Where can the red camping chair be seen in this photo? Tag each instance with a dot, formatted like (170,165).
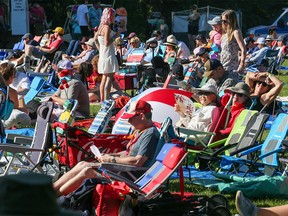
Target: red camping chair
(75,144)
(146,188)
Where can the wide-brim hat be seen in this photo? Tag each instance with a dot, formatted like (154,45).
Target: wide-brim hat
(241,88)
(121,11)
(29,194)
(91,42)
(171,40)
(208,88)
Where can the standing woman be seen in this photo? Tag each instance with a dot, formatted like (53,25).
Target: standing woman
(107,64)
(232,41)
(193,26)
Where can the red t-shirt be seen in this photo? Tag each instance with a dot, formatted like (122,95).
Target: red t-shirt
(93,80)
(56,43)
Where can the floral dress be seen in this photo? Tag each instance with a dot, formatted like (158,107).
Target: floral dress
(229,53)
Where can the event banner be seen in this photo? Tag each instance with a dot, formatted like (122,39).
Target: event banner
(19,17)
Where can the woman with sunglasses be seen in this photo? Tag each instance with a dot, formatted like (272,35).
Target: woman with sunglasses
(264,89)
(240,94)
(232,41)
(202,118)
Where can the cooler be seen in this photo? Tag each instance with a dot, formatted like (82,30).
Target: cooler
(126,81)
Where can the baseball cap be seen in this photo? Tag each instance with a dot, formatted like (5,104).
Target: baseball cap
(59,30)
(136,108)
(28,35)
(200,37)
(216,20)
(211,65)
(131,35)
(260,40)
(65,64)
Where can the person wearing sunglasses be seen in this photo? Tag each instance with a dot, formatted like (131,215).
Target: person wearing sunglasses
(240,94)
(202,118)
(231,42)
(264,89)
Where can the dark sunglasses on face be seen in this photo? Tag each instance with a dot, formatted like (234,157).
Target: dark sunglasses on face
(224,21)
(204,93)
(239,94)
(264,84)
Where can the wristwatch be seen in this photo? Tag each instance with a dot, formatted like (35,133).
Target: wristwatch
(113,160)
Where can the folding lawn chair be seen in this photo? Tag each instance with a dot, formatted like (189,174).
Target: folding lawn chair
(40,143)
(210,155)
(147,186)
(35,87)
(267,161)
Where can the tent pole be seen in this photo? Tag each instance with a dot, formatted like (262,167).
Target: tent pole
(113,3)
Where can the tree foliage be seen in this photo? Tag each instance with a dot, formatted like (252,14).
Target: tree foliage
(254,12)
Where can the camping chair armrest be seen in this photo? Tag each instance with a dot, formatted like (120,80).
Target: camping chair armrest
(121,167)
(241,150)
(217,143)
(223,148)
(14,148)
(19,139)
(194,133)
(116,177)
(251,150)
(39,74)
(271,152)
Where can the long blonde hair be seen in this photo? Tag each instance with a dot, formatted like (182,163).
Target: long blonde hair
(231,17)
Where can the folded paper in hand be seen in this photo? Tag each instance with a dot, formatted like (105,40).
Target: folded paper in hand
(95,151)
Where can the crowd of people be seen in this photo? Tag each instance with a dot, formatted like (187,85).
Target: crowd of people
(218,63)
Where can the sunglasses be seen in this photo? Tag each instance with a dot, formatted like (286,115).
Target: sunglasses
(225,21)
(264,84)
(239,94)
(204,93)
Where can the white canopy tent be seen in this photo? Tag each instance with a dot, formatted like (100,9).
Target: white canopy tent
(180,23)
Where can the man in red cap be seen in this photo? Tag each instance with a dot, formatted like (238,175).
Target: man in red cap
(140,150)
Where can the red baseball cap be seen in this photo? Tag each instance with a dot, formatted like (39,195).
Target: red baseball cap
(135,108)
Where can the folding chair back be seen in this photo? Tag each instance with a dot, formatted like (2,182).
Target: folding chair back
(35,87)
(42,138)
(174,155)
(102,118)
(253,129)
(239,128)
(278,132)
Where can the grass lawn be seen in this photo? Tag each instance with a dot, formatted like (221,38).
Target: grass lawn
(199,190)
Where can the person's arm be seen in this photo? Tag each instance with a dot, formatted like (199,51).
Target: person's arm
(259,55)
(138,160)
(239,38)
(58,100)
(250,78)
(87,20)
(13,96)
(271,95)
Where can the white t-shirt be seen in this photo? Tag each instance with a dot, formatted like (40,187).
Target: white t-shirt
(81,11)
(21,80)
(185,52)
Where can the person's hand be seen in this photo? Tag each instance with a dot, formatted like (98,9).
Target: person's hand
(240,68)
(261,76)
(105,158)
(176,108)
